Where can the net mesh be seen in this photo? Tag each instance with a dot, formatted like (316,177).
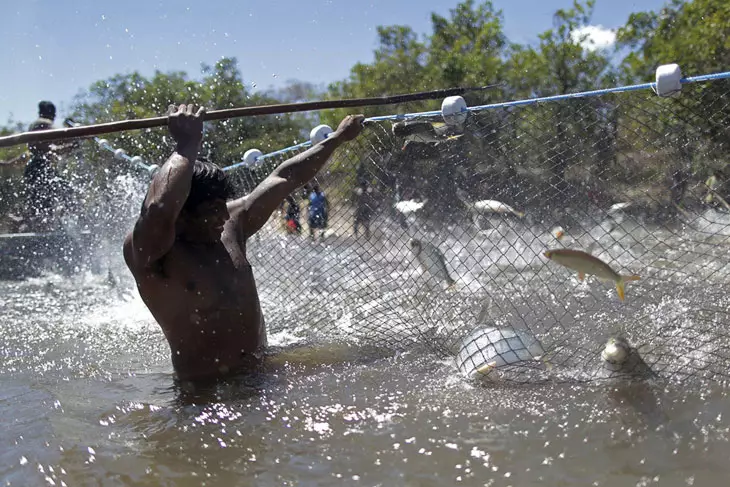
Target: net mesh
(413,205)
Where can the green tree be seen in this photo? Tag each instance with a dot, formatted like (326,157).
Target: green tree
(695,35)
(562,64)
(135,96)
(468,48)
(399,67)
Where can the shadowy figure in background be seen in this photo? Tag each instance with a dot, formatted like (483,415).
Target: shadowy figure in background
(364,208)
(47,194)
(318,211)
(291,217)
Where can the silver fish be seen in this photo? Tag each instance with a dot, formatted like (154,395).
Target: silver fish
(432,260)
(620,359)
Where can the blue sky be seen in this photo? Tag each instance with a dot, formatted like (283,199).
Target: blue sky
(53,49)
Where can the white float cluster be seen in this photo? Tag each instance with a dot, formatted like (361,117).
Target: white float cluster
(121,155)
(254,157)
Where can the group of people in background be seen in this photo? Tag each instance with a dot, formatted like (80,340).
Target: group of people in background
(318,210)
(47,193)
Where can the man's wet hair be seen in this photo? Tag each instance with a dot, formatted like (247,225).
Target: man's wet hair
(209,182)
(46,109)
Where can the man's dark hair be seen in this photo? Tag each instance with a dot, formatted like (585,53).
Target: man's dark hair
(209,182)
(46,109)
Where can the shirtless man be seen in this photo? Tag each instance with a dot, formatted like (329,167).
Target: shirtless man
(187,251)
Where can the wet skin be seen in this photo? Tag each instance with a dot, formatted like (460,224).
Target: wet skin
(190,265)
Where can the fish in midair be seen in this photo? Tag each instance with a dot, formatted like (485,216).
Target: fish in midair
(586,264)
(619,207)
(432,261)
(423,131)
(409,207)
(494,206)
(484,207)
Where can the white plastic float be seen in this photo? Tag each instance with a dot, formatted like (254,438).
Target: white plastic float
(319,133)
(454,110)
(668,80)
(119,154)
(252,158)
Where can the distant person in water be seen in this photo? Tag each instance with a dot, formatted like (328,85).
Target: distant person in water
(318,211)
(364,208)
(47,192)
(187,251)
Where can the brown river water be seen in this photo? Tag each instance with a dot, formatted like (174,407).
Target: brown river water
(88,396)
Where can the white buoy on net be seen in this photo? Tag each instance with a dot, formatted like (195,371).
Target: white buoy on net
(488,349)
(668,80)
(103,144)
(119,154)
(153,169)
(319,133)
(454,110)
(137,161)
(252,157)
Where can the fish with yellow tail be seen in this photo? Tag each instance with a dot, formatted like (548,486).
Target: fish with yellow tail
(586,264)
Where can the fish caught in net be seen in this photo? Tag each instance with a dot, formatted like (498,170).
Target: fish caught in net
(507,242)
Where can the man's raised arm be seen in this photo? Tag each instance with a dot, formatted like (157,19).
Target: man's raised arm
(255,208)
(154,233)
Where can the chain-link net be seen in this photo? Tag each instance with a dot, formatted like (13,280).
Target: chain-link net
(434,235)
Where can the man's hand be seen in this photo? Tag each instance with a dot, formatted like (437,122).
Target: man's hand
(186,126)
(350,127)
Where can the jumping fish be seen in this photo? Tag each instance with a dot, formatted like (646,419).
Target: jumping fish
(586,264)
(558,233)
(432,260)
(494,206)
(409,206)
(487,206)
(423,131)
(619,207)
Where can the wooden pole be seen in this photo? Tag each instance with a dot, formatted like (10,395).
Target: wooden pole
(143,123)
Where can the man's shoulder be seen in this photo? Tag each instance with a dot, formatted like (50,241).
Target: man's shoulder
(128,253)
(40,124)
(131,258)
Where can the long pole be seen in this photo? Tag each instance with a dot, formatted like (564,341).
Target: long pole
(143,123)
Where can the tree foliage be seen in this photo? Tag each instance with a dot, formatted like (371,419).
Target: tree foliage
(468,47)
(135,96)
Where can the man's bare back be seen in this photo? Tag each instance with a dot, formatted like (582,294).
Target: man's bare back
(187,251)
